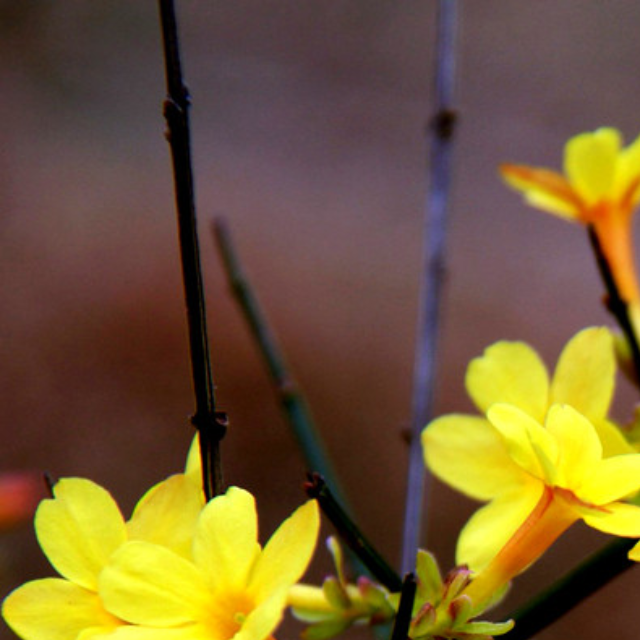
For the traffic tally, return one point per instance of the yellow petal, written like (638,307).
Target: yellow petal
(193,467)
(579,448)
(167,514)
(634,554)
(628,173)
(613,442)
(55,609)
(612,479)
(528,443)
(287,554)
(509,372)
(467,453)
(543,189)
(590,163)
(491,527)
(619,519)
(79,529)
(264,619)
(226,543)
(135,632)
(561,208)
(150,585)
(584,375)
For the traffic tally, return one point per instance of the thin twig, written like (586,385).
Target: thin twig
(571,589)
(49,483)
(405,608)
(289,394)
(352,536)
(442,128)
(211,424)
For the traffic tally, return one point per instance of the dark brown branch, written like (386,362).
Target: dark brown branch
(210,423)
(352,536)
(405,608)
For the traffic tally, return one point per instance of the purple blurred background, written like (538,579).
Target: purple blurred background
(308,133)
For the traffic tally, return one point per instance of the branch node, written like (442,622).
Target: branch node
(216,423)
(443,123)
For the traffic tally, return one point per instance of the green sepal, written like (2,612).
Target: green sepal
(325,630)
(335,593)
(429,577)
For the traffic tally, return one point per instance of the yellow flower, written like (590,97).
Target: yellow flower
(231,588)
(513,373)
(538,459)
(601,187)
(79,529)
(557,477)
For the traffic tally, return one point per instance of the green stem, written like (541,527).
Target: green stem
(289,394)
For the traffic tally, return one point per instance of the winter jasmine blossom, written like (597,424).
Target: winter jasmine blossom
(229,588)
(554,476)
(79,529)
(600,187)
(537,458)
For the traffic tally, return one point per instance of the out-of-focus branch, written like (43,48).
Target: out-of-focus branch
(442,129)
(291,397)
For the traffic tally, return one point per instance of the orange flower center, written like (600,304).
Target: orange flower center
(228,613)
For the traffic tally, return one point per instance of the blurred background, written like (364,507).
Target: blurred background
(308,135)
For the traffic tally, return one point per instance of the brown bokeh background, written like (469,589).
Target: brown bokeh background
(308,125)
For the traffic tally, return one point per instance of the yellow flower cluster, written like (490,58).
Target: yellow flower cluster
(177,569)
(543,454)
